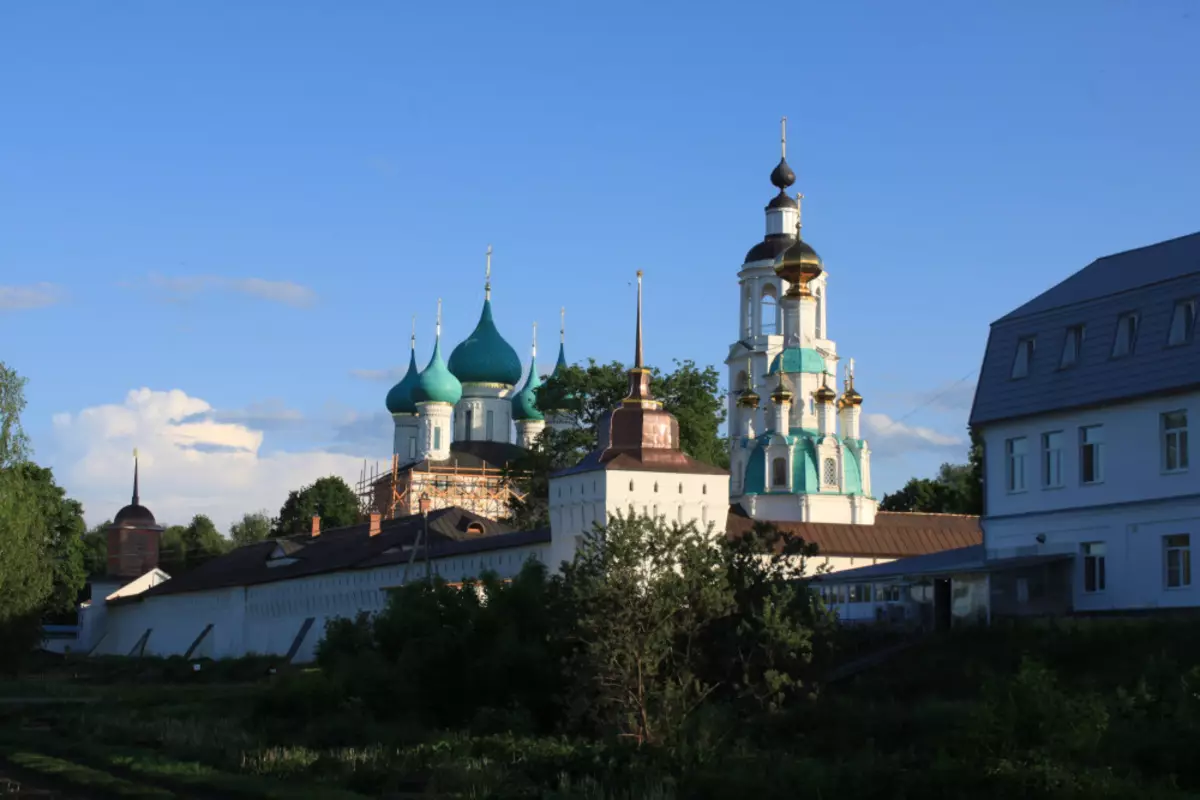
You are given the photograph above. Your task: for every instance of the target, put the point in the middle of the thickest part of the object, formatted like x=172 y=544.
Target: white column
x=781 y=416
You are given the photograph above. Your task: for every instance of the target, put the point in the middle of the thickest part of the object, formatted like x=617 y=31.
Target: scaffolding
x=397 y=492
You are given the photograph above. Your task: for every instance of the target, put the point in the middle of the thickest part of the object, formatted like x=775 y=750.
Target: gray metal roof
x=1147 y=281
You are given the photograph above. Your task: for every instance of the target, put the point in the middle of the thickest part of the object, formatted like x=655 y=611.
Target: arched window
x=767 y=318
x=830 y=470
x=820 y=304
x=656 y=486
x=779 y=471
x=749 y=312
x=740 y=381
x=631 y=486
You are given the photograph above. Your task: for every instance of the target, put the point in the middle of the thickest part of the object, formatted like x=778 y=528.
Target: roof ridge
x=1146 y=246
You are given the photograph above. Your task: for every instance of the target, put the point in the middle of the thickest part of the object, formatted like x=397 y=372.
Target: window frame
x=1184 y=549
x=1188 y=306
x=1097 y=458
x=1025 y=344
x=1094 y=566
x=1180 y=434
x=1135 y=323
x=1046 y=451
x=1011 y=458
x=776 y=462
x=1076 y=332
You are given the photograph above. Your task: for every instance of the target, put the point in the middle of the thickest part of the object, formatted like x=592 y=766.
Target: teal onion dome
x=798 y=359
x=399 y=398
x=484 y=356
x=524 y=402
x=437 y=384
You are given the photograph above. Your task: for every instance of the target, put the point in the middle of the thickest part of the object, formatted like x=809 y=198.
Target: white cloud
x=889 y=437
x=37 y=295
x=194 y=459
x=288 y=293
x=382 y=375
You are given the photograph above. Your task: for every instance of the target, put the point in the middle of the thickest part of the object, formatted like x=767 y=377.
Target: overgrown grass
x=77 y=775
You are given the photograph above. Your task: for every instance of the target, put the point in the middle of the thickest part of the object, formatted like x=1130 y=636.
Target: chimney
x=316 y=530
x=375 y=517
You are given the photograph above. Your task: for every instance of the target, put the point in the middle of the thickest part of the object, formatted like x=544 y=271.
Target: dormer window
x=1071 y=345
x=1183 y=322
x=1023 y=358
x=1127 y=325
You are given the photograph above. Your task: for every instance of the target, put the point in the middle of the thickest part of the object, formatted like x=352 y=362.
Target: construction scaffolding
x=397 y=492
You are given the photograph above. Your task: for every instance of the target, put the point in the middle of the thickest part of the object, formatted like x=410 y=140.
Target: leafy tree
x=95 y=549
x=26 y=580
x=64 y=529
x=329 y=498
x=957 y=489
x=588 y=393
x=252 y=528
x=185 y=547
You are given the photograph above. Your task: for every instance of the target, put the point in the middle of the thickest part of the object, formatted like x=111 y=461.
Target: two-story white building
x=1083 y=403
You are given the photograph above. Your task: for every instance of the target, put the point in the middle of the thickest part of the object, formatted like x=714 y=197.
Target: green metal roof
x=524 y=402
x=484 y=356
x=399 y=397
x=798 y=359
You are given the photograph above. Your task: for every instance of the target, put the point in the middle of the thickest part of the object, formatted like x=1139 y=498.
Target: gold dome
x=824 y=394
x=781 y=394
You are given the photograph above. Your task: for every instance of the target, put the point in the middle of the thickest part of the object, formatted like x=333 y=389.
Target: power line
x=928 y=401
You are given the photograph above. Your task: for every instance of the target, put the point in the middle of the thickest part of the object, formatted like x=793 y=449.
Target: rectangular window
x=1023 y=358
x=490 y=425
x=1183 y=322
x=437 y=438
x=468 y=423
x=1093 y=567
x=779 y=472
x=1127 y=325
x=1175 y=441
x=1091 y=454
x=1052 y=459
x=1016 y=449
x=1178 y=560
x=1071 y=345
x=412 y=448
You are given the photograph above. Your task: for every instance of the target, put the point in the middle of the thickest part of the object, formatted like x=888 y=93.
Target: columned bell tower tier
x=788 y=459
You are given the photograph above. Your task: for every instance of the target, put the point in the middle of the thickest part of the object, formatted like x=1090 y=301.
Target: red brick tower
x=133 y=538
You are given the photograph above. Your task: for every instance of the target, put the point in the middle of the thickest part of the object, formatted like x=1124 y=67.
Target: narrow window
x=1052 y=459
x=1091 y=454
x=1183 y=322
x=412 y=447
x=704 y=489
x=1071 y=345
x=1015 y=450
x=631 y=486
x=1127 y=325
x=681 y=488
x=1093 y=567
x=1175 y=441
x=779 y=472
x=656 y=487
x=437 y=438
x=1023 y=358
x=1178 y=559
x=766 y=320
x=749 y=314
x=468 y=423
x=490 y=425
x=830 y=470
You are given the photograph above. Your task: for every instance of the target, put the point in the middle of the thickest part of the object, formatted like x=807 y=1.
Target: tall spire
x=799 y=201
x=438 y=326
x=135 y=477
x=487 y=285
x=637 y=359
x=413 y=339
x=562 y=325
x=535 y=340
x=783 y=138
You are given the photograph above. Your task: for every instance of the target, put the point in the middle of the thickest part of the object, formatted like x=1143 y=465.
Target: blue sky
x=246 y=202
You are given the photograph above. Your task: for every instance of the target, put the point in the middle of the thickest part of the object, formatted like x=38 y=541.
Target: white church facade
x=797 y=459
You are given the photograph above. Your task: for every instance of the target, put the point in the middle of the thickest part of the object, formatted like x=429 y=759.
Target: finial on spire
x=487 y=286
x=535 y=340
x=850 y=374
x=562 y=325
x=799 y=200
x=438 y=326
x=637 y=361
x=413 y=339
x=749 y=372
x=783 y=138
x=135 y=476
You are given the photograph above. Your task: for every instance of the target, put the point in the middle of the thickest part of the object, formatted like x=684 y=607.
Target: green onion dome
x=484 y=356
x=437 y=384
x=558 y=402
x=399 y=398
x=524 y=402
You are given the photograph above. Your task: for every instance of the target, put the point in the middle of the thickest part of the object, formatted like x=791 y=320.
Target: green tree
x=329 y=498
x=957 y=488
x=185 y=547
x=63 y=528
x=26 y=574
x=95 y=549
x=252 y=528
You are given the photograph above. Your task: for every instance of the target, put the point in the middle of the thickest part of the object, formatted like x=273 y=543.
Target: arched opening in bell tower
x=768 y=317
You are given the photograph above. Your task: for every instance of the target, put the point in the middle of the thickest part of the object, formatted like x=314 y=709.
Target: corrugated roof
x=894 y=534
x=1148 y=281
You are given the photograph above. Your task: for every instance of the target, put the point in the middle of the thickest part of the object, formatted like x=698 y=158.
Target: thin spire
x=637 y=358
x=562 y=325
x=749 y=374
x=799 y=200
x=535 y=340
x=135 y=476
x=850 y=374
x=413 y=340
x=438 y=326
x=487 y=286
x=783 y=138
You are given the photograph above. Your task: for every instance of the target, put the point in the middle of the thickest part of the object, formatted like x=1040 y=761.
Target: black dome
x=135 y=516
x=782 y=200
x=770 y=248
x=782 y=176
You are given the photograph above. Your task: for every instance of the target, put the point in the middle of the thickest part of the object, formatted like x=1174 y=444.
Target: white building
x=1083 y=403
